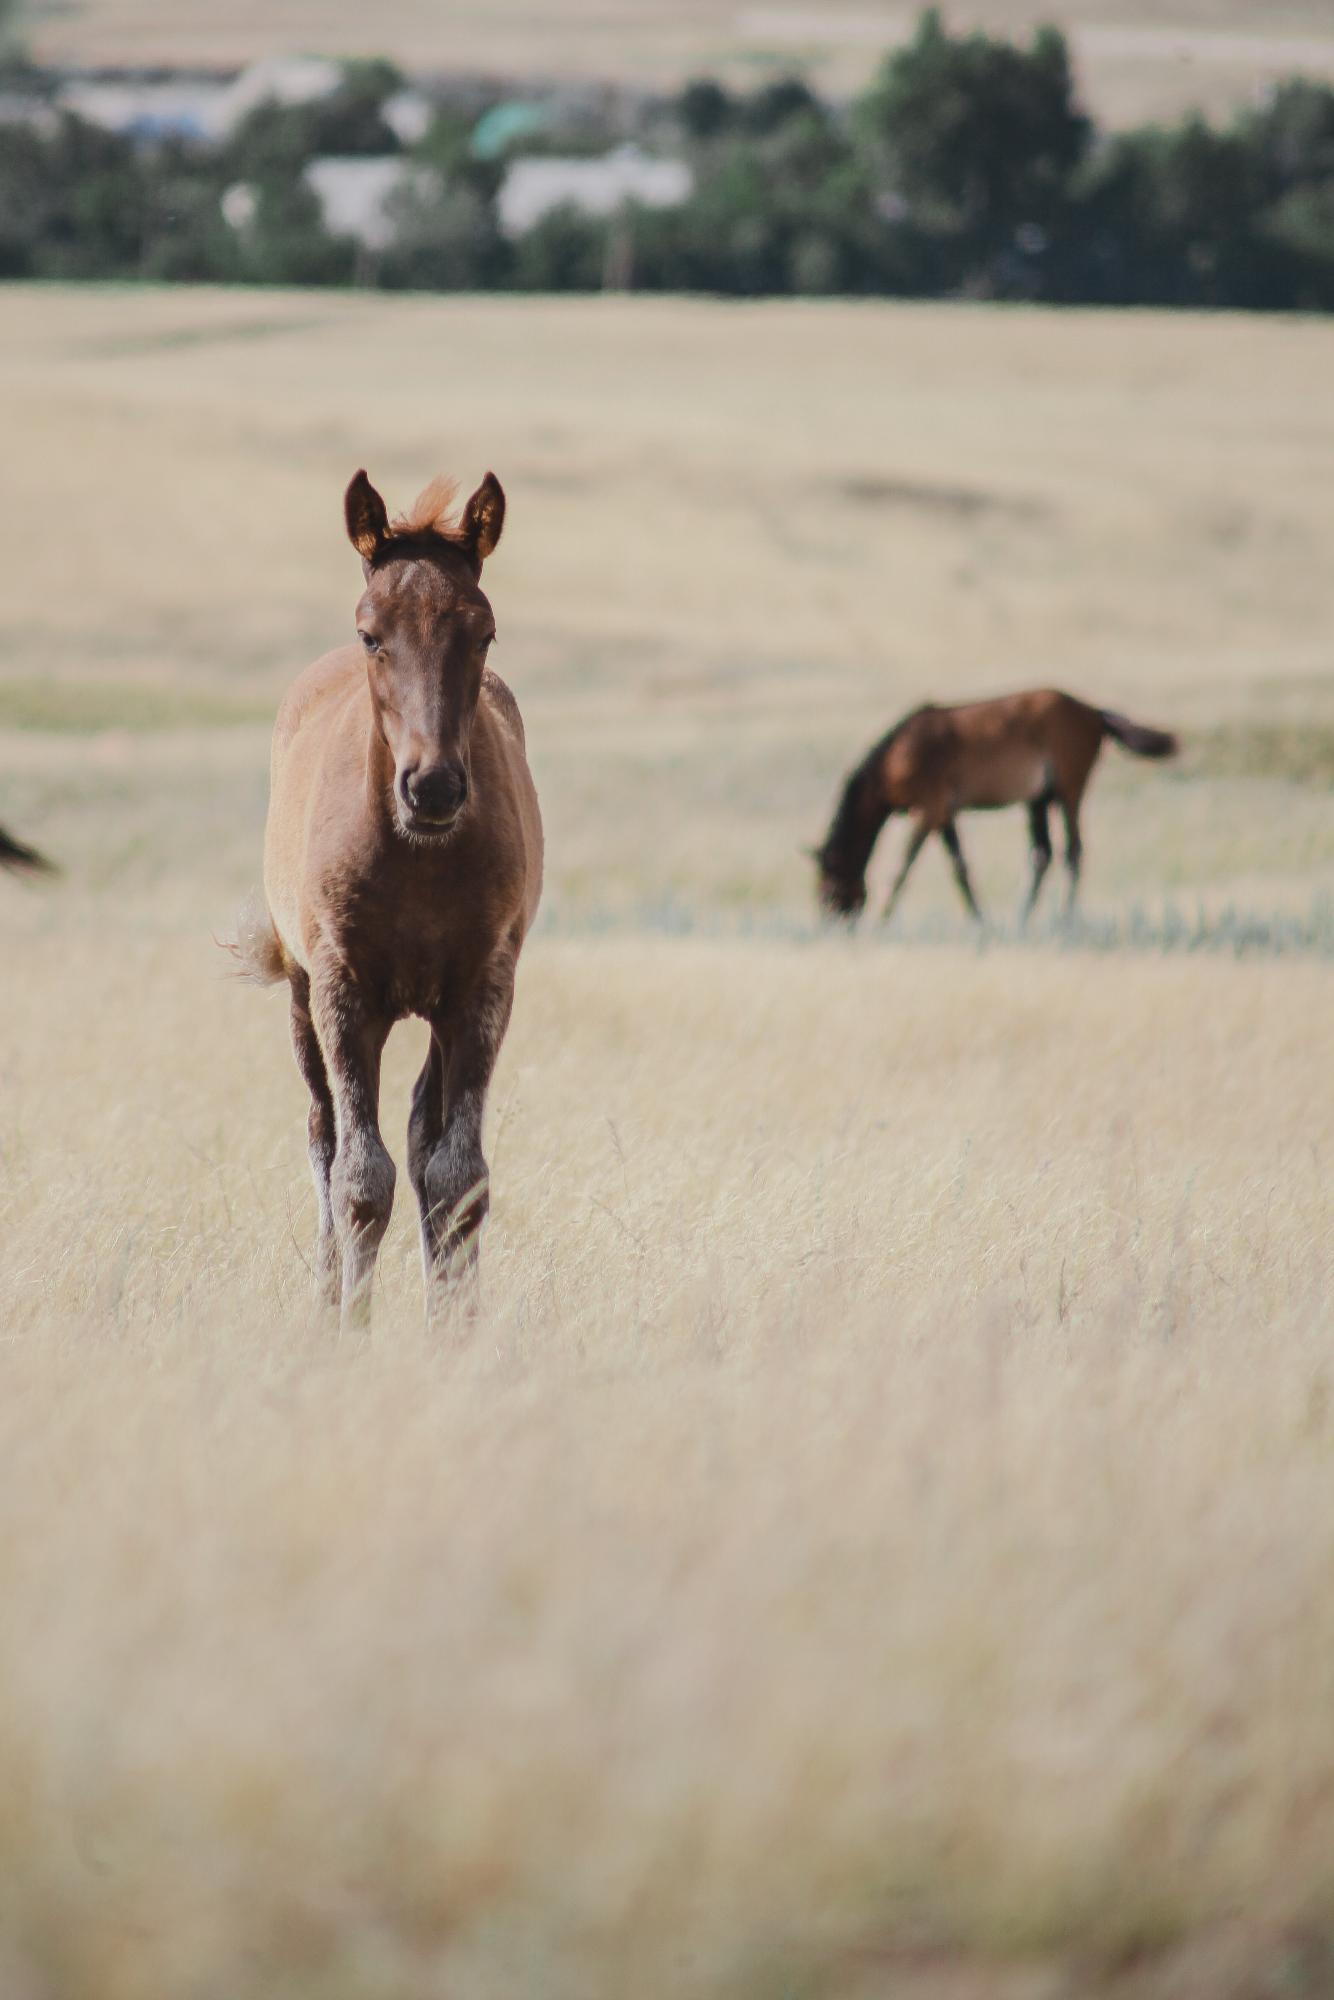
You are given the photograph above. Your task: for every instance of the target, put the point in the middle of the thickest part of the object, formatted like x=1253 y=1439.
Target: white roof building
x=533 y=187
x=197 y=107
x=355 y=195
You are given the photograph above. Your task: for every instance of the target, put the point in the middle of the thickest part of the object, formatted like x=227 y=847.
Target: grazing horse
x=402 y=870
x=22 y=860
x=1036 y=749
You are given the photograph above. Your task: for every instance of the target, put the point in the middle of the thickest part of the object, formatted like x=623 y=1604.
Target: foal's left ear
x=367 y=518
x=483 y=519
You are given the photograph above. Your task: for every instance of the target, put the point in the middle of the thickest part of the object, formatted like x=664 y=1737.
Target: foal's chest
x=422 y=963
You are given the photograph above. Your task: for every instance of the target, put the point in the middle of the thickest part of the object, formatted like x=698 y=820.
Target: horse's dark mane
x=852 y=831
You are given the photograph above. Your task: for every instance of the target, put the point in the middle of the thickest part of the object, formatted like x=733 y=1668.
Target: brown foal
x=402 y=870
x=1036 y=749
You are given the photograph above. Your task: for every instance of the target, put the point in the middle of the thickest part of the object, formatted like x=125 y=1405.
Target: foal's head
x=426 y=626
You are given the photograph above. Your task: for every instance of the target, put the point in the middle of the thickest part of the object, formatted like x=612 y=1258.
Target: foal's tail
x=25 y=860
x=1136 y=737
x=257 y=948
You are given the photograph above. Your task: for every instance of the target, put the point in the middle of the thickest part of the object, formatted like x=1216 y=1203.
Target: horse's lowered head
x=426 y=626
x=842 y=855
x=841 y=887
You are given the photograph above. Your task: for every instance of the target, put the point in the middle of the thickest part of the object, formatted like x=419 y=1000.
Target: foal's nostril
x=438 y=793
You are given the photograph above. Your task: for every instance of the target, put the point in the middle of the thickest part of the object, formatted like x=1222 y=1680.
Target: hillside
x=1137 y=59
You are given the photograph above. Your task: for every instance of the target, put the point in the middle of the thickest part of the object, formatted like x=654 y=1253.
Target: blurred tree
x=565 y=252
x=774 y=104
x=276 y=140
x=1167 y=217
x=186 y=237
x=793 y=212
x=705 y=110
x=1292 y=137
x=967 y=166
x=72 y=203
x=287 y=243
x=445 y=240
x=978 y=139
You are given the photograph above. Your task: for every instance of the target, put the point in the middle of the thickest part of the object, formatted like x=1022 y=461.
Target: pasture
x=1137 y=59
x=877 y=1539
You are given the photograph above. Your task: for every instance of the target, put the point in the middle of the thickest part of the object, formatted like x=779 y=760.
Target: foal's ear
x=367 y=518
x=483 y=519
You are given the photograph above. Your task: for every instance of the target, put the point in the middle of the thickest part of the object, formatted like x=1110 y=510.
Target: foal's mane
x=433 y=514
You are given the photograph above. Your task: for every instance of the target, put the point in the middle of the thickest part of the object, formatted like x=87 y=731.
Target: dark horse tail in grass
x=22 y=860
x=1035 y=749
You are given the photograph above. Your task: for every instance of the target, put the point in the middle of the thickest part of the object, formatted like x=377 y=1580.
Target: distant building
x=356 y=196
x=507 y=124
x=207 y=108
x=535 y=186
x=408 y=114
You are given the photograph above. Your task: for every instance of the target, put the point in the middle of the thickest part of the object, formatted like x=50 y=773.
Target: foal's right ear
x=483 y=519
x=367 y=518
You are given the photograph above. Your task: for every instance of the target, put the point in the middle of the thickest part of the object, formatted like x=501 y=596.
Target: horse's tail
x=1136 y=737
x=257 y=948
x=14 y=854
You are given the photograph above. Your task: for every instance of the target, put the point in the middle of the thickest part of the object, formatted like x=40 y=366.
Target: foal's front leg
x=426 y=1123
x=453 y=1183
x=361 y=1183
x=321 y=1129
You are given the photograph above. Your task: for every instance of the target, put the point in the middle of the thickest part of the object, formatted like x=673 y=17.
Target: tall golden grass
x=877 y=1538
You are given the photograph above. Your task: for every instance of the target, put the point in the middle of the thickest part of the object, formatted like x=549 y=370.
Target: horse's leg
x=949 y=833
x=917 y=840
x=361 y=1183
x=1074 y=850
x=1040 y=835
x=456 y=1178
x=426 y=1123
x=320 y=1130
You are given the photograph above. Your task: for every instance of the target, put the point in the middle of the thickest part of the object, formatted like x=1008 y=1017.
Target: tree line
x=967 y=167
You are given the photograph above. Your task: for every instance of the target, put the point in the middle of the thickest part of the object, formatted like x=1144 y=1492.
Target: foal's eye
x=369 y=641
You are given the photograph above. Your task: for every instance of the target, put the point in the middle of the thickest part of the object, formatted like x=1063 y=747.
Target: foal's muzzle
x=431 y=797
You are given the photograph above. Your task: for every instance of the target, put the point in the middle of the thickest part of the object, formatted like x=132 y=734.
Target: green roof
x=497 y=129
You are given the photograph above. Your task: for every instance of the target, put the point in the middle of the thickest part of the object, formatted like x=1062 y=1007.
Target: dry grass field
x=1137 y=58
x=878 y=1539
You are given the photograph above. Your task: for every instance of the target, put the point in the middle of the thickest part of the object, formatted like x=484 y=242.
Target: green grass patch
x=88 y=707
x=1301 y=751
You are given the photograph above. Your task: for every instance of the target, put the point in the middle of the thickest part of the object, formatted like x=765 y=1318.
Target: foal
x=1036 y=749
x=402 y=870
